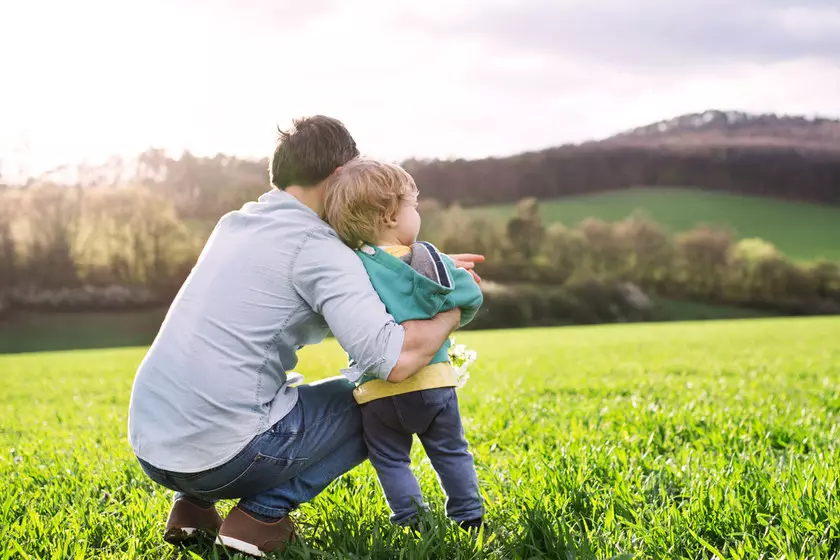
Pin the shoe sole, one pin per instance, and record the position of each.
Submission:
(239, 546)
(184, 535)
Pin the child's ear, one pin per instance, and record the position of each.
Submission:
(390, 221)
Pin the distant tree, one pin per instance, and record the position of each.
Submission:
(9, 207)
(456, 231)
(525, 231)
(701, 259)
(607, 254)
(649, 251)
(564, 250)
(141, 240)
(52, 221)
(748, 264)
(826, 277)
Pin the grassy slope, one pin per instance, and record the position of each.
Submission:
(663, 441)
(803, 231)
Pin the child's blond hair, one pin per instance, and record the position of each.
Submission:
(363, 196)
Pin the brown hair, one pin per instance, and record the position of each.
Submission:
(363, 195)
(310, 151)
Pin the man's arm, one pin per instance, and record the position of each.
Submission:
(333, 281)
(423, 340)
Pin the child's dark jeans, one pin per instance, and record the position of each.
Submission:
(433, 415)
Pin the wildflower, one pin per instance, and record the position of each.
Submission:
(461, 358)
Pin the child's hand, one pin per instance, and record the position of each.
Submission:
(467, 262)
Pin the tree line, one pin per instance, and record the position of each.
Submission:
(778, 172)
(54, 237)
(204, 188)
(59, 245)
(704, 264)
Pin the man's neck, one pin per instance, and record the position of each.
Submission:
(311, 197)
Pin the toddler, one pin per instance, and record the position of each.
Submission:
(373, 208)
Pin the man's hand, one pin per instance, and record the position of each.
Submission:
(467, 262)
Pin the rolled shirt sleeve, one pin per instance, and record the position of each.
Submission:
(333, 281)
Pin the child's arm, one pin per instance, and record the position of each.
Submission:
(460, 289)
(465, 293)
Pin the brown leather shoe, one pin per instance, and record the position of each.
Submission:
(244, 533)
(187, 521)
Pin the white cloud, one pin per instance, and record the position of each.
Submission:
(92, 78)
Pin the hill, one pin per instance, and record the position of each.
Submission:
(800, 230)
(791, 158)
(716, 128)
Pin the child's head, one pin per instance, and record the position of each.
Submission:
(369, 201)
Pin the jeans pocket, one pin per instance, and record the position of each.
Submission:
(436, 396)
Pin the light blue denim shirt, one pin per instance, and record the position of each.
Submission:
(272, 278)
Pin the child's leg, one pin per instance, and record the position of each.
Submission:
(448, 451)
(389, 448)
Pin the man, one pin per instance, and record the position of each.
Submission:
(213, 413)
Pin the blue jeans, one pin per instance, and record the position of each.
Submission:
(318, 441)
(433, 415)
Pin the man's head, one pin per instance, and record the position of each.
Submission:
(310, 151)
(369, 201)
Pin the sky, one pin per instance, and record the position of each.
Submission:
(86, 79)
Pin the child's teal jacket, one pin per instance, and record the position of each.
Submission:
(429, 285)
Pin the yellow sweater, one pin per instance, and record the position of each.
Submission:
(433, 376)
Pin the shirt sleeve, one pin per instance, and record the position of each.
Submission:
(332, 280)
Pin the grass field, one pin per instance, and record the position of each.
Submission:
(648, 441)
(802, 231)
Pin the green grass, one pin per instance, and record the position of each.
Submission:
(652, 441)
(802, 231)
